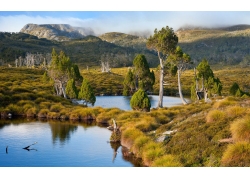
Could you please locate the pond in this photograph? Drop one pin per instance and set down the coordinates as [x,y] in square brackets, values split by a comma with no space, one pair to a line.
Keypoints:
[123,102]
[59,144]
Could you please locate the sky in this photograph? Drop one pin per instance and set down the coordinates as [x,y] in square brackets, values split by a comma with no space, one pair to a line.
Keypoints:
[127,16]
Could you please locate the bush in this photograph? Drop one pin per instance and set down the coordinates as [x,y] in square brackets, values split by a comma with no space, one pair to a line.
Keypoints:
[241,129]
[237,155]
[140,101]
[215,115]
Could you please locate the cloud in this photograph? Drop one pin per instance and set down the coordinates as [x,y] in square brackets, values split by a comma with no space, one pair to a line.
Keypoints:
[129,22]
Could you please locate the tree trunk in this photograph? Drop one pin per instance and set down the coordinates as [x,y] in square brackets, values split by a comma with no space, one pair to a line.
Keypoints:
[179,85]
[160,102]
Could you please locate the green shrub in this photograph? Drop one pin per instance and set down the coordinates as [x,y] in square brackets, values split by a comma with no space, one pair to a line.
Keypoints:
[140,101]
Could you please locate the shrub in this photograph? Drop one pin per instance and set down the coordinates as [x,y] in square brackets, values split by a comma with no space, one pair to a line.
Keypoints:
[215,115]
[237,155]
[241,129]
[140,101]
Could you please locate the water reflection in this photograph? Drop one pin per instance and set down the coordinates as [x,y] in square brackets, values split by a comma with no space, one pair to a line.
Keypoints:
[61,131]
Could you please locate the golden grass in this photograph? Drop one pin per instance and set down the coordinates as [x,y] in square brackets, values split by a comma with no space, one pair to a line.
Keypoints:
[152,151]
[215,115]
[241,129]
[235,111]
[237,155]
[166,161]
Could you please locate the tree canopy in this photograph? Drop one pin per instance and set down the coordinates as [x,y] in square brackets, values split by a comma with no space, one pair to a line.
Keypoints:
[139,76]
[163,42]
[86,93]
[140,101]
[61,69]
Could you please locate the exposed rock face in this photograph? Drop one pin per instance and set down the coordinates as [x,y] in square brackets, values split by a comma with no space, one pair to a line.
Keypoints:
[58,32]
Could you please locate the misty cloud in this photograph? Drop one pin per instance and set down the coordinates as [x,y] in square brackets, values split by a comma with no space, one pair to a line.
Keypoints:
[131,22]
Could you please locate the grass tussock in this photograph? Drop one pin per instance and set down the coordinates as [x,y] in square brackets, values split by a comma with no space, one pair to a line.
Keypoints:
[129,135]
[236,155]
[235,111]
[138,145]
[215,115]
[147,124]
[241,129]
[225,102]
[166,161]
[152,151]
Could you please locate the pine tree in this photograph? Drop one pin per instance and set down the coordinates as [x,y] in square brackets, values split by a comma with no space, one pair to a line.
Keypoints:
[140,101]
[86,93]
[71,89]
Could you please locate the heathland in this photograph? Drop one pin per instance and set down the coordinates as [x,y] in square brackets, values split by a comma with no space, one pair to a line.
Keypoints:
[197,134]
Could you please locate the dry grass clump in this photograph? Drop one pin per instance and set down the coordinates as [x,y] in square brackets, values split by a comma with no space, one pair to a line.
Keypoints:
[53,115]
[237,155]
[56,107]
[152,151]
[166,161]
[45,105]
[241,129]
[215,115]
[107,115]
[225,102]
[129,135]
[15,109]
[138,145]
[146,124]
[235,111]
[43,113]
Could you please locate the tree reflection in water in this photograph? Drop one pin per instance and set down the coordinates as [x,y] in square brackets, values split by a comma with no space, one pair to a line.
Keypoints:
[61,131]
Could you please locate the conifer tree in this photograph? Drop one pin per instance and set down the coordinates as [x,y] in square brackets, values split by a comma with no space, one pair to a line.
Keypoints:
[140,101]
[71,89]
[86,93]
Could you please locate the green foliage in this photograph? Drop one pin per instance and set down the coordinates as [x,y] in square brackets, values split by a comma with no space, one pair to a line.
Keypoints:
[164,40]
[144,78]
[129,84]
[71,89]
[204,70]
[234,88]
[139,77]
[140,101]
[86,93]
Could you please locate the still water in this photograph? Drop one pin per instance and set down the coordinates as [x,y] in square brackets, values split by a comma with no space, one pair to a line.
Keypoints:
[123,102]
[64,144]
[58,144]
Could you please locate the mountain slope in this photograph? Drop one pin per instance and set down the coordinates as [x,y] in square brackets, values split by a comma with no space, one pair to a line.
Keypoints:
[228,45]
[58,32]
